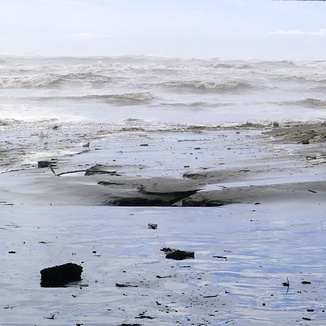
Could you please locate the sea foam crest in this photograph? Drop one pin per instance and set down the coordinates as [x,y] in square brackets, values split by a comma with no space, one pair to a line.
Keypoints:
[130,97]
[209,86]
[28,81]
[312,102]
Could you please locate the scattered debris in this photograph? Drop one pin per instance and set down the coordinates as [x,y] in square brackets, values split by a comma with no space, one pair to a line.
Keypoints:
[8,307]
[287,284]
[168,276]
[168,250]
[126,285]
[87,144]
[221,257]
[210,296]
[99,169]
[143,316]
[305,282]
[52,316]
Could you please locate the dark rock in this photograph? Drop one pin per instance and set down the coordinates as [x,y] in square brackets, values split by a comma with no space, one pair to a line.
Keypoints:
[59,276]
[45,164]
[152,226]
[180,255]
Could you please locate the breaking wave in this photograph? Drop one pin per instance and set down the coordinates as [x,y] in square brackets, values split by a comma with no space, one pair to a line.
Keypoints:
[311,102]
[130,97]
[124,97]
[307,102]
[199,86]
[51,80]
[28,81]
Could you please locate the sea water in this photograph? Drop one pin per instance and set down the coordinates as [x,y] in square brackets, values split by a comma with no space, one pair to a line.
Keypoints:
[160,92]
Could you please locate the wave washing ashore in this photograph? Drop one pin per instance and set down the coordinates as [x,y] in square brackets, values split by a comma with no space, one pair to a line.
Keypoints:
[233,150]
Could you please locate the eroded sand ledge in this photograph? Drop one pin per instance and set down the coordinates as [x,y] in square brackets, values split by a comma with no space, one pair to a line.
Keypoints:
[242,164]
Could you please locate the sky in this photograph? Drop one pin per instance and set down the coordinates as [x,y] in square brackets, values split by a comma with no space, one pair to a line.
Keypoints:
[227,29]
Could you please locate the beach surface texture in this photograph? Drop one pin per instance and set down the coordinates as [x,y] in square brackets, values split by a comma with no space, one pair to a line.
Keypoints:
[185,192]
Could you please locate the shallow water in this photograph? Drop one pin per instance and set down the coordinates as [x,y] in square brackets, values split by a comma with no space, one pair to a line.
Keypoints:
[258,247]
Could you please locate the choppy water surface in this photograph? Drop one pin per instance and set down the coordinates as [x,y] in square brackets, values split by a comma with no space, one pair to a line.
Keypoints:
[159,90]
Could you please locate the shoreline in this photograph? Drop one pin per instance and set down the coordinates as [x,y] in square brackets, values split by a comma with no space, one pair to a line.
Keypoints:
[210,168]
[206,168]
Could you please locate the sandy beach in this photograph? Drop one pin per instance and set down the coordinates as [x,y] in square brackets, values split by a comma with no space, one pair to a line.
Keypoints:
[248,200]
[240,164]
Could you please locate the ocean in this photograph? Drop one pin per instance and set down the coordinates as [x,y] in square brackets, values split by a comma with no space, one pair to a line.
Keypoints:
[158,92]
[41,95]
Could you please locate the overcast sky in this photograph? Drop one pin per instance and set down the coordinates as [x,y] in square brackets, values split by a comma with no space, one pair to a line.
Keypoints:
[264,29]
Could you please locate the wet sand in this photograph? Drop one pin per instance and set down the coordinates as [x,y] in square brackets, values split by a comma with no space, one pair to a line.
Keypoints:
[203,168]
[265,226]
